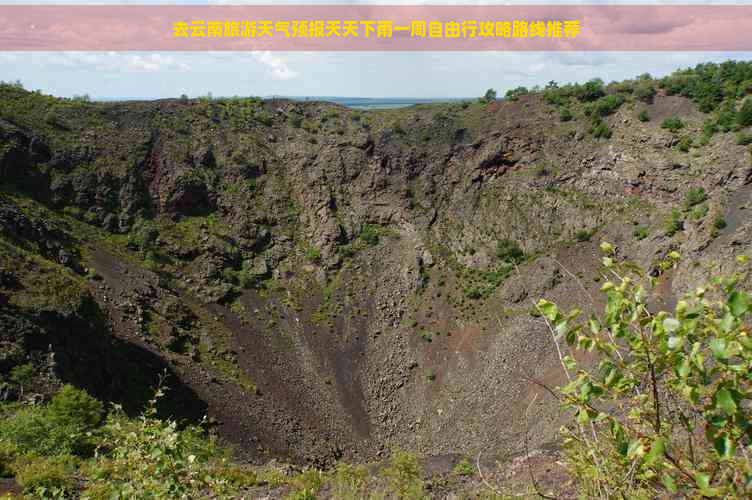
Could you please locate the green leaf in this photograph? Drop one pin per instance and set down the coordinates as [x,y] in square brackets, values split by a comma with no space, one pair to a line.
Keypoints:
[682,368]
[724,446]
[569,362]
[671,324]
[656,452]
[702,480]
[669,483]
[728,322]
[719,348]
[738,303]
[724,401]
[640,295]
[595,327]
[549,310]
[675,343]
[636,449]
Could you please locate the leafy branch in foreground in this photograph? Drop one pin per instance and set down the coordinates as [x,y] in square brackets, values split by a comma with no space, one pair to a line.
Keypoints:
[666,407]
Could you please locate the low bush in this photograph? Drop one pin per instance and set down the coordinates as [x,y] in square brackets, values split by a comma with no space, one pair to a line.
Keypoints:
[145,457]
[8,454]
[32,430]
[509,251]
[370,234]
[673,124]
[640,233]
[743,139]
[744,116]
[404,474]
[599,129]
[609,104]
[464,468]
[643,116]
[584,235]
[71,406]
[695,196]
[673,224]
[644,90]
[684,144]
[47,477]
[565,115]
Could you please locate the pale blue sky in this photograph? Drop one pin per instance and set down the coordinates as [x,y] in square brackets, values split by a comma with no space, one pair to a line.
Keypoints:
[362,74]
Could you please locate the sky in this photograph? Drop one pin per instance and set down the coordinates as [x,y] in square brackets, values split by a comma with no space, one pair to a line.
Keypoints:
[351,74]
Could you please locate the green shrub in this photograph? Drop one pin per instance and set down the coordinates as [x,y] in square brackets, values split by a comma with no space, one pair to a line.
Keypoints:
[71,406]
[584,235]
[404,474]
[590,91]
[489,96]
[143,236]
[509,251]
[47,477]
[644,90]
[22,375]
[609,104]
[349,481]
[33,430]
[684,144]
[719,222]
[643,116]
[464,468]
[695,196]
[673,124]
[264,118]
[370,234]
[727,116]
[744,116]
[61,428]
[565,115]
[743,139]
[673,224]
[514,94]
[640,233]
[599,129]
[8,454]
[151,458]
[699,212]
[313,254]
[307,484]
[665,404]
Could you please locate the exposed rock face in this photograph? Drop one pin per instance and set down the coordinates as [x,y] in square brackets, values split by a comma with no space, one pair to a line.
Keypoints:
[324,282]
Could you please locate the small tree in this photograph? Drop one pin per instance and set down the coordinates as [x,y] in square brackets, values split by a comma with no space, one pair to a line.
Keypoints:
[744,116]
[489,96]
[644,90]
[22,375]
[665,411]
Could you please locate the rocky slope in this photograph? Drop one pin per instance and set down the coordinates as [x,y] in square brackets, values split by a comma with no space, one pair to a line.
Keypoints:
[328,283]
